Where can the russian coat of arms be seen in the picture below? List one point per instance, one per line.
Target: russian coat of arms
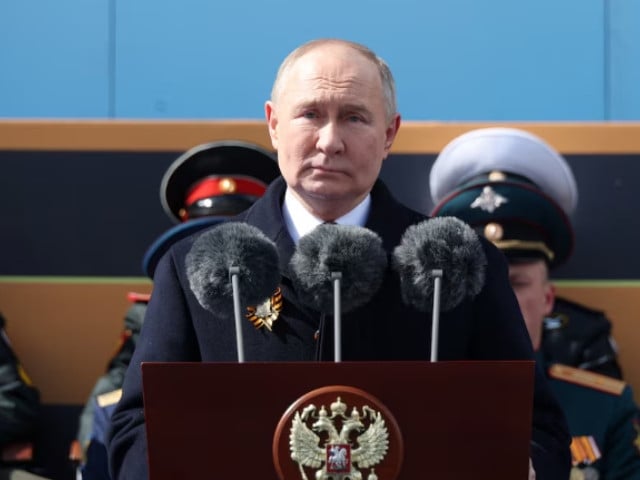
(339, 444)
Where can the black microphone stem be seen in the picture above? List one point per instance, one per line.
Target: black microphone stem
(234, 272)
(337, 317)
(435, 318)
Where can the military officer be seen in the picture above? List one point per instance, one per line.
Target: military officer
(518, 197)
(603, 421)
(203, 186)
(497, 170)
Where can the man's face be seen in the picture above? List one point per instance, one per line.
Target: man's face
(535, 295)
(330, 128)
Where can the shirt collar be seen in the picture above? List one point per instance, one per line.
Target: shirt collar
(299, 221)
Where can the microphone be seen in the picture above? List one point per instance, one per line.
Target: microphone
(355, 253)
(441, 243)
(230, 262)
(329, 255)
(441, 249)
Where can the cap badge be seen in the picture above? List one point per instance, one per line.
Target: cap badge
(493, 231)
(496, 176)
(358, 438)
(228, 185)
(488, 200)
(267, 312)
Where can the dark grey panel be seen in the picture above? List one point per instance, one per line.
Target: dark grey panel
(95, 213)
(607, 230)
(79, 213)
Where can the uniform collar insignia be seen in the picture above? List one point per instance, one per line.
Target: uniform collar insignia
(265, 314)
(488, 200)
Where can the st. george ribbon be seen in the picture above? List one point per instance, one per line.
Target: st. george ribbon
(337, 268)
(440, 262)
(233, 264)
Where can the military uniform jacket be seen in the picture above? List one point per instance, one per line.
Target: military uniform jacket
(178, 328)
(607, 418)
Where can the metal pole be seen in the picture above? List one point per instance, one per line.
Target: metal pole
(234, 273)
(337, 317)
(435, 318)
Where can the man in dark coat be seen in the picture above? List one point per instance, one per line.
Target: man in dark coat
(202, 187)
(332, 119)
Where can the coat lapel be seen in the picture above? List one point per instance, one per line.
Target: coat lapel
(266, 214)
(387, 217)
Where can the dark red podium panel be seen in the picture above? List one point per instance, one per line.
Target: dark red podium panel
(456, 420)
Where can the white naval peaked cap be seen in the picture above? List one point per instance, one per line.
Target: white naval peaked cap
(509, 150)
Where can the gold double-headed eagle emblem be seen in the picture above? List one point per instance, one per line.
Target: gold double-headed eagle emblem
(325, 440)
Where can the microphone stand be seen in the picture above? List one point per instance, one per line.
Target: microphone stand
(337, 317)
(435, 318)
(234, 273)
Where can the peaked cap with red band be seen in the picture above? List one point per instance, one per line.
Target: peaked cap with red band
(216, 179)
(206, 185)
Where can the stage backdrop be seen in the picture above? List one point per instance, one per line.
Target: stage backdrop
(80, 204)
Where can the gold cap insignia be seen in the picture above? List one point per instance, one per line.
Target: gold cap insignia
(493, 231)
(496, 176)
(228, 185)
(267, 312)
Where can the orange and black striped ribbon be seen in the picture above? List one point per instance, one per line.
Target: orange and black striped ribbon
(584, 450)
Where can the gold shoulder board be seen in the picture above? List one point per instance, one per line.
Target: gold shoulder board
(586, 378)
(109, 398)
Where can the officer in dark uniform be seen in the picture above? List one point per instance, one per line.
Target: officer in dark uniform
(485, 158)
(19, 412)
(205, 185)
(526, 221)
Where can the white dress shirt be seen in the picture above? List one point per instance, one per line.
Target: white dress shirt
(299, 221)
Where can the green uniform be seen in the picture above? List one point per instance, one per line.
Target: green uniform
(603, 421)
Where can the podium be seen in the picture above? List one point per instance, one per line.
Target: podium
(452, 420)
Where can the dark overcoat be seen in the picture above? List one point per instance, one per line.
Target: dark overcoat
(178, 328)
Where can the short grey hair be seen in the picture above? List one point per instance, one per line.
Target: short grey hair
(388, 83)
